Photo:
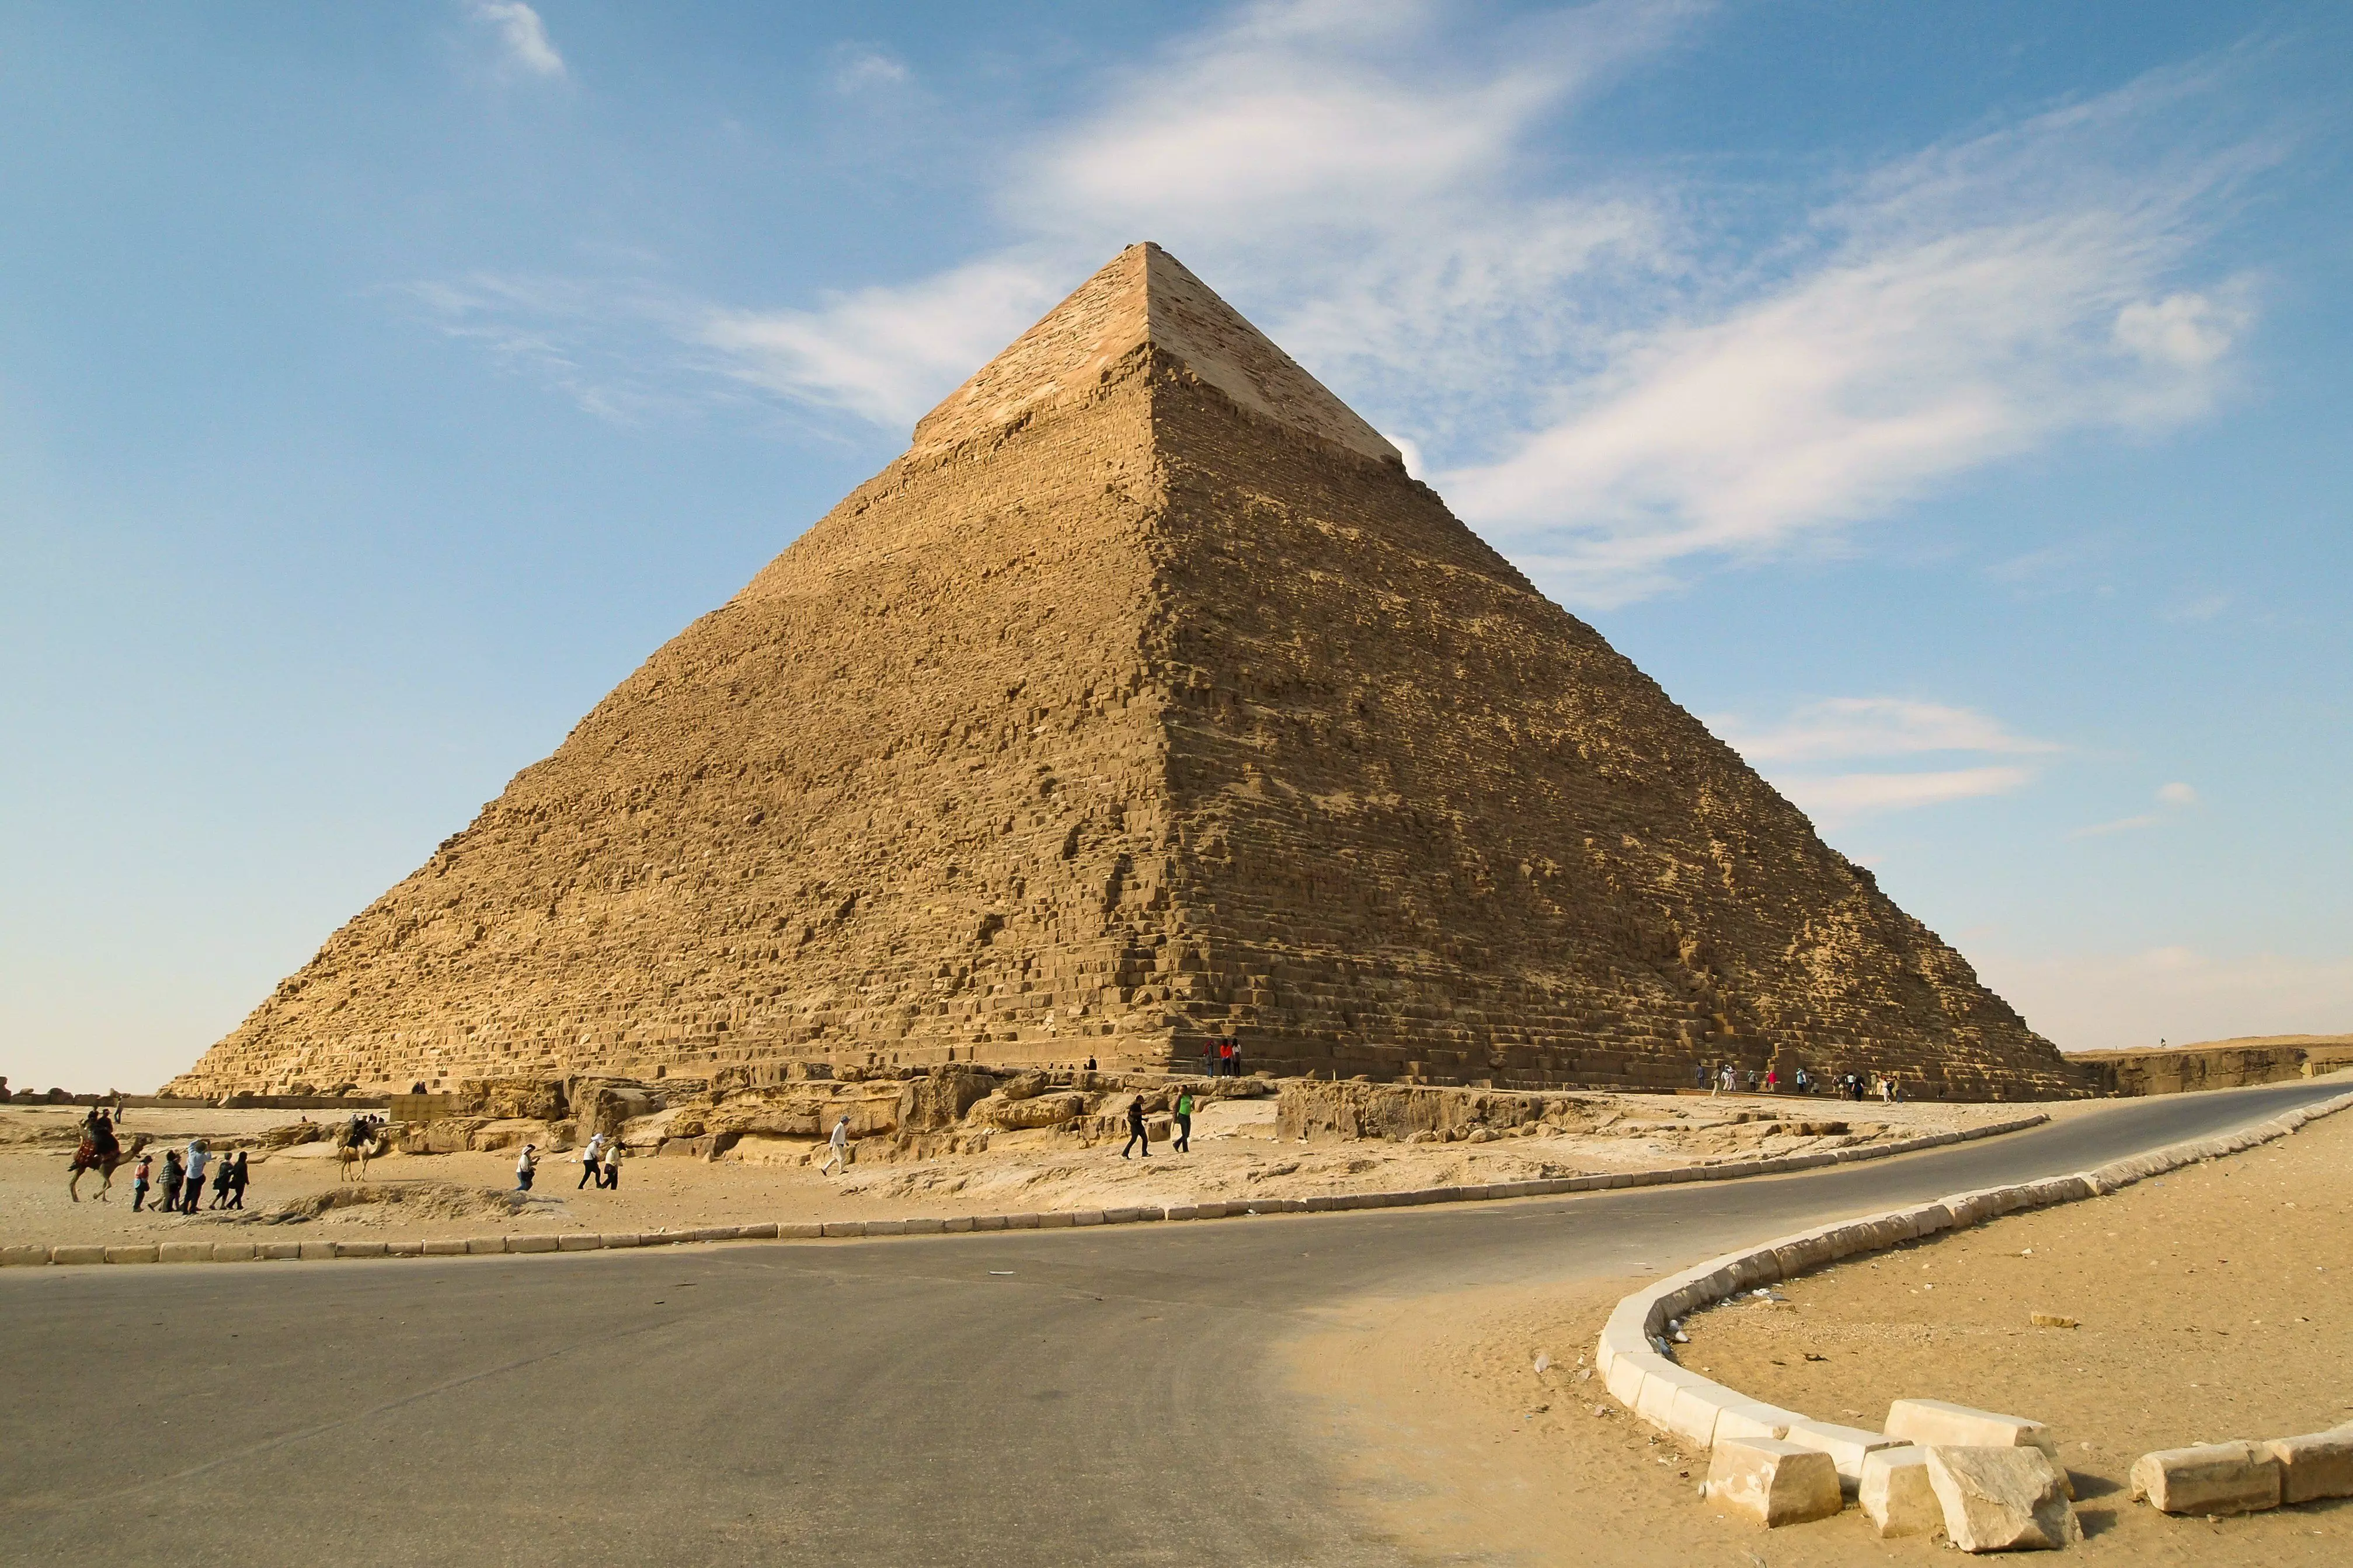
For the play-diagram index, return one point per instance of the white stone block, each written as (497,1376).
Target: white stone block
(1846,1445)
(1896,1492)
(2212,1478)
(1660,1384)
(1748,1419)
(2002,1499)
(1773,1483)
(2319,1465)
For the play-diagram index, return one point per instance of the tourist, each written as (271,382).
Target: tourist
(138,1183)
(1183,1145)
(1236,1045)
(192,1186)
(221,1179)
(1225,1058)
(1699,1075)
(1804,1085)
(170,1181)
(239,1174)
(526,1165)
(1091,1063)
(1135,1132)
(1772,1080)
(591,1159)
(609,1178)
(837,1148)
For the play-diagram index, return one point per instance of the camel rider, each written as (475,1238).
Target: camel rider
(98,1131)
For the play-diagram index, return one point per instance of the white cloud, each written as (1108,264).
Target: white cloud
(2170,798)
(2117,1001)
(1873,727)
(1612,383)
(1863,729)
(521,36)
(885,354)
(863,70)
(1841,797)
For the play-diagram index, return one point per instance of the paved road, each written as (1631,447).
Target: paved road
(1107,1398)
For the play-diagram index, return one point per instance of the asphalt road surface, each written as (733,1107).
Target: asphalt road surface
(1089,1396)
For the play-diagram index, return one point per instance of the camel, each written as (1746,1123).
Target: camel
(87,1157)
(351,1150)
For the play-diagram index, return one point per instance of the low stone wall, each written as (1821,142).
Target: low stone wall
(1633,1354)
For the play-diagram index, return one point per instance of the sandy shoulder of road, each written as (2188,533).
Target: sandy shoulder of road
(1235,1156)
(2213,1305)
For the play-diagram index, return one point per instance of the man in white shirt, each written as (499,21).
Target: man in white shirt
(198,1157)
(838,1148)
(590,1158)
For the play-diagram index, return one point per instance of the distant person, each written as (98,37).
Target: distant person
(192,1186)
(240,1175)
(1802,1083)
(592,1161)
(1699,1075)
(1091,1063)
(1237,1057)
(837,1149)
(138,1183)
(221,1180)
(609,1176)
(1183,1145)
(1772,1080)
(1136,1132)
(526,1166)
(172,1178)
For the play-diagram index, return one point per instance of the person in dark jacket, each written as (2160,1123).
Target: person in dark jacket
(171,1179)
(1136,1132)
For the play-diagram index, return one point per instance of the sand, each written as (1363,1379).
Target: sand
(2212,1304)
(1235,1156)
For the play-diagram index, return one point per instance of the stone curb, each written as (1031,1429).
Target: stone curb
(1632,1355)
(811,1230)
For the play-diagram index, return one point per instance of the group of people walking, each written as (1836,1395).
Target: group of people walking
(1724,1078)
(1139,1132)
(183,1190)
(600,1162)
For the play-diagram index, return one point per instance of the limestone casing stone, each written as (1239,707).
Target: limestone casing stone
(1895,1493)
(2209,1477)
(2318,1465)
(1773,1483)
(2002,1499)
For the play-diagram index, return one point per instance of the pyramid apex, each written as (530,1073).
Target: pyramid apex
(1145,295)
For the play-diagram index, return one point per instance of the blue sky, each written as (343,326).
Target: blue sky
(1947,401)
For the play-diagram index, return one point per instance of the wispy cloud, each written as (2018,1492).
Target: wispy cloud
(523,37)
(1613,384)
(2170,798)
(861,69)
(1799,751)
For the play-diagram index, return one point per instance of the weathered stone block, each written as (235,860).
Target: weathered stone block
(2212,1477)
(1773,1483)
(1624,1378)
(622,1238)
(765,1232)
(132,1254)
(1896,1492)
(1846,1445)
(1661,1383)
(22,1257)
(534,1243)
(1941,1423)
(484,1245)
(77,1254)
(184,1252)
(360,1249)
(233,1252)
(799,1231)
(277,1251)
(1746,1419)
(845,1227)
(315,1251)
(2318,1465)
(2002,1499)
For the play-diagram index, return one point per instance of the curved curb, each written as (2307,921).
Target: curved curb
(813,1230)
(1632,1355)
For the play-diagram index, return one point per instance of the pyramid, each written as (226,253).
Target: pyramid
(1145,700)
